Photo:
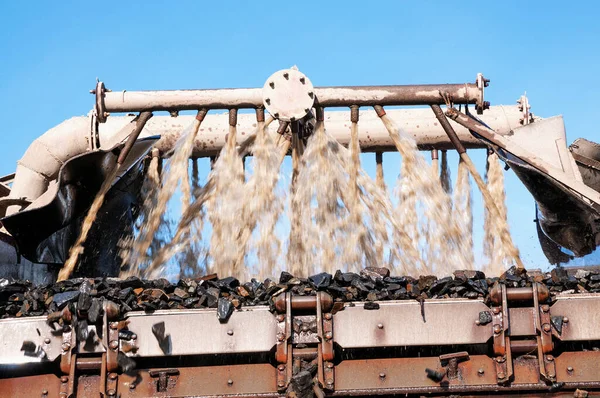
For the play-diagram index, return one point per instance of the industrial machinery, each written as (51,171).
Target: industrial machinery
(342,335)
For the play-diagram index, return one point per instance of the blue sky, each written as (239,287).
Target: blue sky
(53,51)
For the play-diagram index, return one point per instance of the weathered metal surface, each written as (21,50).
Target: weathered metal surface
(31,386)
(521,322)
(197,332)
(251,379)
(176,100)
(288,95)
(578,366)
(401,324)
(581,316)
(36,330)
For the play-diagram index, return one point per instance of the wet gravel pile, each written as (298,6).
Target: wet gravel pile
(86,295)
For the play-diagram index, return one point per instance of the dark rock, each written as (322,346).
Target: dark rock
(425,281)
(224,310)
(164,341)
(229,283)
(95,310)
(468,274)
(434,375)
(320,281)
(285,277)
(126,364)
(371,306)
(485,317)
(557,322)
(62,299)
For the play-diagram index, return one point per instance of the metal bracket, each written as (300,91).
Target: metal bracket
(501,326)
(450,361)
(163,378)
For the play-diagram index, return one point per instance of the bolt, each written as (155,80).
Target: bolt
(276,115)
(132,386)
(551,374)
(113,325)
(280,336)
(565,319)
(281,384)
(106,114)
(500,359)
(546,327)
(302,80)
(306,110)
(112,376)
(111,392)
(545,308)
(134,336)
(382,375)
(549,358)
(268,101)
(496,310)
(92,91)
(230,332)
(44,392)
(477,322)
(501,375)
(280,318)
(281,368)
(380,325)
(311,94)
(329,382)
(497,329)
(286,76)
(569,369)
(486,104)
(480,371)
(64,379)
(65,346)
(114,345)
(328,335)
(229,382)
(272,84)
(329,365)
(47,340)
(328,316)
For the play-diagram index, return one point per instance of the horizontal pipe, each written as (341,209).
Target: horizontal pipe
(176,100)
(420,123)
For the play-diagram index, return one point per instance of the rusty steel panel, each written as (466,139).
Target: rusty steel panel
(400,323)
(46,386)
(198,332)
(255,379)
(521,321)
(582,315)
(15,331)
(578,366)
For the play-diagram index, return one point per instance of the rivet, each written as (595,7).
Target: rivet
(113,325)
(497,329)
(549,358)
(480,371)
(268,101)
(565,319)
(551,374)
(500,359)
(112,376)
(328,316)
(276,115)
(569,369)
(306,110)
(477,322)
(302,80)
(229,382)
(545,308)
(132,386)
(134,336)
(114,345)
(546,327)
(281,384)
(44,392)
(286,75)
(272,84)
(328,335)
(329,382)
(329,365)
(496,310)
(111,392)
(382,375)
(280,318)
(280,336)
(65,346)
(380,325)
(47,340)
(281,368)
(64,379)
(230,332)
(501,375)
(311,94)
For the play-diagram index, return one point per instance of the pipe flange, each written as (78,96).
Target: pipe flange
(482,83)
(288,95)
(100,108)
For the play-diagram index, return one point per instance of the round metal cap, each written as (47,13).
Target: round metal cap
(288,95)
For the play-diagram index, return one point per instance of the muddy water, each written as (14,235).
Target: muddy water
(337,216)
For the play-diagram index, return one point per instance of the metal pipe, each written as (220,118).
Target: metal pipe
(304,303)
(139,125)
(344,96)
